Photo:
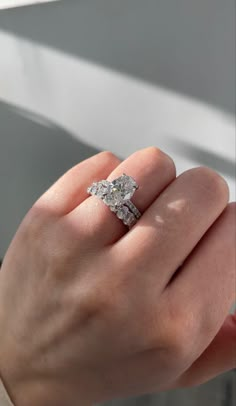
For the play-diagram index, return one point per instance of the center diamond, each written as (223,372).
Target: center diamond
(119,190)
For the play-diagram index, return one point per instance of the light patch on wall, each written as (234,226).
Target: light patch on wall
(67,90)
(19,3)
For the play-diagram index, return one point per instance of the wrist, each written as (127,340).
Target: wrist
(24,390)
(37,394)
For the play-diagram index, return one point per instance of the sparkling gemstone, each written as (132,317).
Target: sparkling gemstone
(125,214)
(92,189)
(129,219)
(113,208)
(102,188)
(120,189)
(122,212)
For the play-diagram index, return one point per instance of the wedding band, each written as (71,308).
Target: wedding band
(116,195)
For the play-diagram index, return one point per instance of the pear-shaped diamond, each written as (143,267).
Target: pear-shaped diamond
(103,188)
(99,189)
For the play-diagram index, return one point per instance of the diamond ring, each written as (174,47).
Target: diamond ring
(116,195)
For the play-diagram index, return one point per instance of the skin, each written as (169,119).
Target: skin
(90,311)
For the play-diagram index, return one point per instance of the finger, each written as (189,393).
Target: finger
(205,285)
(152,169)
(219,357)
(71,189)
(176,221)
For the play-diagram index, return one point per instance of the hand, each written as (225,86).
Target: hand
(91,311)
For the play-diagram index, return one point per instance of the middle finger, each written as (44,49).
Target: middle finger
(175,222)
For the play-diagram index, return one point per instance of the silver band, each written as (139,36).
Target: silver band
(116,195)
(124,214)
(133,209)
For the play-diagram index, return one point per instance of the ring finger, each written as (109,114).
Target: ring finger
(151,168)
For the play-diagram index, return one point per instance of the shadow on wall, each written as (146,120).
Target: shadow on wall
(186,46)
(33,155)
(201,156)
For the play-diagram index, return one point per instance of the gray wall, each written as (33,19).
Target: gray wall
(32,156)
(185,45)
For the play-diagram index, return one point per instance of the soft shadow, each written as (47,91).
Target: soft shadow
(186,46)
(201,156)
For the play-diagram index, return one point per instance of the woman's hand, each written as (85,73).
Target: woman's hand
(91,311)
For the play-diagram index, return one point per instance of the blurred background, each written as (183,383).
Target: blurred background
(80,76)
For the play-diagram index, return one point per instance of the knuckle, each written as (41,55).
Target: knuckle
(166,161)
(93,302)
(180,332)
(180,346)
(34,223)
(178,340)
(108,157)
(211,182)
(231,208)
